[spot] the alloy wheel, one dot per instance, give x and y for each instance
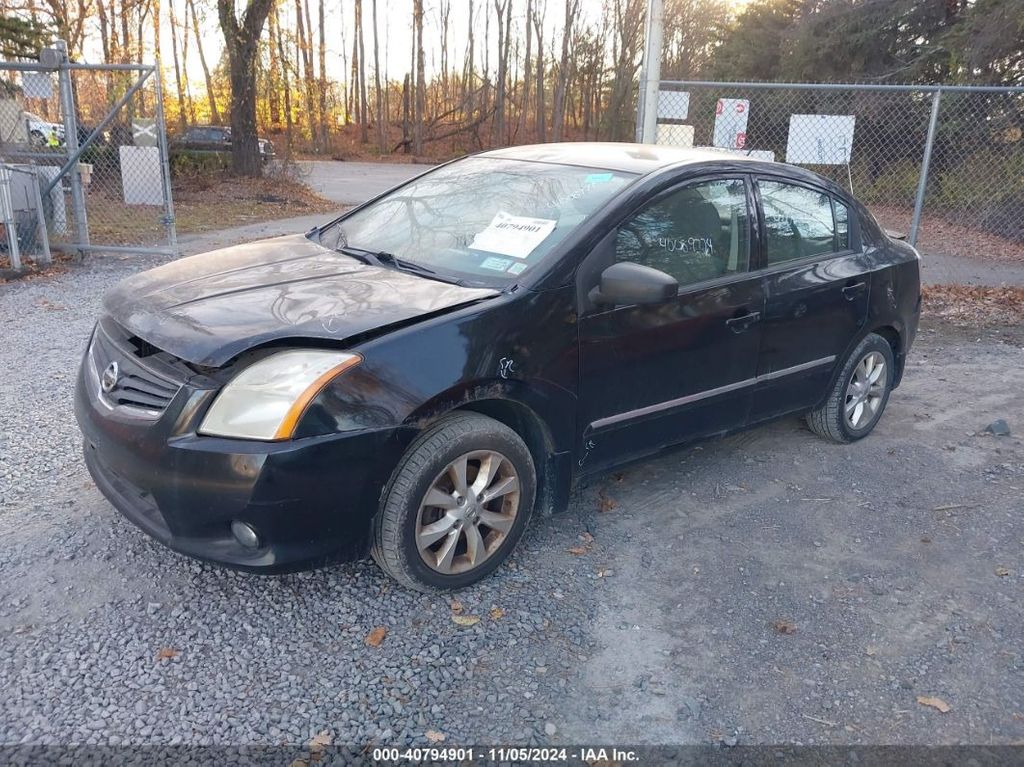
(467, 512)
(865, 391)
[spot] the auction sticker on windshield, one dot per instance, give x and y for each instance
(516, 236)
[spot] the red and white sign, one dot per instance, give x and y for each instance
(731, 123)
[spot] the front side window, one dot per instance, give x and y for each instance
(484, 220)
(696, 233)
(798, 221)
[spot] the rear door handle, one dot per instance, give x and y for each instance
(741, 323)
(850, 292)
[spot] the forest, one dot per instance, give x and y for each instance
(434, 78)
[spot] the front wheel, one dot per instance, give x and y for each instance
(859, 395)
(456, 505)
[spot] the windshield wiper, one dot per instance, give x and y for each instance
(385, 259)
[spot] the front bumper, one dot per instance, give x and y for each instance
(310, 500)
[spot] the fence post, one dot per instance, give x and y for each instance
(7, 214)
(67, 107)
(165, 165)
(650, 79)
(922, 182)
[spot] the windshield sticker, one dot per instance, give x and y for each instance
(516, 236)
(517, 268)
(599, 178)
(497, 264)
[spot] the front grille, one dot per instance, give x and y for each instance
(147, 378)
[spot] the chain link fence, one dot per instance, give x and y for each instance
(944, 164)
(83, 159)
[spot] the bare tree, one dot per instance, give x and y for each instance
(241, 41)
(180, 85)
(538, 27)
(379, 97)
(558, 110)
(210, 94)
(421, 86)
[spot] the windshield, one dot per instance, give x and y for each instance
(482, 220)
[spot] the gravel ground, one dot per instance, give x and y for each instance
(765, 588)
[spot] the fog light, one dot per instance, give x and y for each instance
(245, 535)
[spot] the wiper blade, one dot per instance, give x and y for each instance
(383, 258)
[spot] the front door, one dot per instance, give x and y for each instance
(655, 375)
(816, 295)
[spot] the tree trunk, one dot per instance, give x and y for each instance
(179, 84)
(241, 41)
(322, 83)
(524, 102)
(421, 86)
(274, 75)
(285, 82)
(538, 26)
(364, 120)
(381, 117)
(210, 95)
(558, 110)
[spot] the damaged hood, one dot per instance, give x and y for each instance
(209, 308)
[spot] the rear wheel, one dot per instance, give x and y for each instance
(859, 395)
(456, 505)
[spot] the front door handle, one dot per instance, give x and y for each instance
(741, 323)
(850, 292)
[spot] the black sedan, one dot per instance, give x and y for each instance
(420, 376)
(215, 140)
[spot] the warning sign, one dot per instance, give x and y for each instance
(731, 123)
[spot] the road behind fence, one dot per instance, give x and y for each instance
(944, 164)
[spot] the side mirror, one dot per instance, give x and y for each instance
(627, 283)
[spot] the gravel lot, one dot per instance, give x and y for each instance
(764, 588)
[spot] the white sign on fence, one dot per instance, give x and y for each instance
(673, 105)
(140, 175)
(144, 131)
(731, 123)
(820, 139)
(674, 135)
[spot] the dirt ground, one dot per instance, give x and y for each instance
(770, 587)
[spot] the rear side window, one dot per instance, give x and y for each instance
(842, 215)
(798, 221)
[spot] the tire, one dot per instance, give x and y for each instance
(835, 420)
(431, 465)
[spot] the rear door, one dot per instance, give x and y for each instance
(655, 375)
(816, 293)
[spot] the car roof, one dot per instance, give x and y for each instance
(623, 157)
(644, 159)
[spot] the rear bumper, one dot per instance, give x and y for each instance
(309, 500)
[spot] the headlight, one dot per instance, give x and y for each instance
(266, 400)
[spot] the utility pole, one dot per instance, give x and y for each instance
(650, 75)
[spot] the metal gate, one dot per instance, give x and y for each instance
(84, 163)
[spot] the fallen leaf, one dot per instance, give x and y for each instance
(604, 503)
(299, 763)
(871, 650)
(434, 736)
(586, 537)
(375, 637)
(457, 607)
(933, 702)
(578, 550)
(496, 613)
(1002, 572)
(465, 620)
(320, 740)
(166, 653)
(782, 626)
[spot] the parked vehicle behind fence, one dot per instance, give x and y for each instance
(420, 376)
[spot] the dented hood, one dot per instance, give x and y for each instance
(209, 308)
